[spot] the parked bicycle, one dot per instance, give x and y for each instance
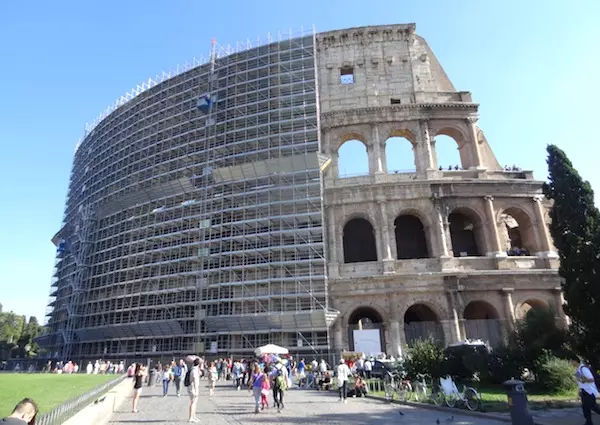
(396, 386)
(451, 395)
(425, 389)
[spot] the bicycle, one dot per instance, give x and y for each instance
(469, 395)
(424, 392)
(401, 387)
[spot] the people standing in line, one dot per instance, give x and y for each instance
(213, 375)
(256, 386)
(138, 381)
(343, 371)
(178, 372)
(24, 413)
(588, 392)
(166, 378)
(193, 389)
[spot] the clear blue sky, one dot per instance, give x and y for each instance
(532, 65)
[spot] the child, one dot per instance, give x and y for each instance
(266, 386)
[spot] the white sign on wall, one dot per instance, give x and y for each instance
(367, 341)
(214, 347)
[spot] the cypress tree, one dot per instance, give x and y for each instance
(575, 229)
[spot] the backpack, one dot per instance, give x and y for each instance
(187, 381)
(281, 380)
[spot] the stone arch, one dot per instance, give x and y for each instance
(359, 241)
(527, 304)
(422, 322)
(517, 231)
(400, 151)
(366, 332)
(411, 237)
(466, 232)
(352, 158)
(482, 321)
(450, 147)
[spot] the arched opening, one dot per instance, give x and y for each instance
(410, 238)
(482, 321)
(527, 305)
(353, 159)
(421, 322)
(517, 232)
(359, 241)
(449, 151)
(466, 234)
(365, 331)
(400, 155)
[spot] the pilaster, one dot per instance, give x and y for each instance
(475, 148)
(492, 227)
(376, 158)
(509, 307)
(333, 264)
(542, 229)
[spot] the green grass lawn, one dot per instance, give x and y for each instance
(48, 390)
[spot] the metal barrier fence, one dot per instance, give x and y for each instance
(67, 410)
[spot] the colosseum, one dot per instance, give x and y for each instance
(207, 212)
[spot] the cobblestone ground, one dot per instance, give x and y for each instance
(229, 406)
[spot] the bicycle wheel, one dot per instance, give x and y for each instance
(450, 399)
(403, 392)
(419, 392)
(437, 396)
(389, 392)
(472, 399)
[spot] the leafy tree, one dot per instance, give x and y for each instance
(575, 229)
(426, 357)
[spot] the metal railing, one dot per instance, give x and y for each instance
(68, 409)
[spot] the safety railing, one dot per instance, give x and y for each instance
(67, 410)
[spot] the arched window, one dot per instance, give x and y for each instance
(399, 155)
(359, 241)
(527, 305)
(410, 238)
(516, 229)
(482, 321)
(353, 159)
(450, 153)
(421, 322)
(465, 233)
(365, 331)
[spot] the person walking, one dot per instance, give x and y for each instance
(343, 371)
(213, 375)
(238, 374)
(166, 378)
(178, 372)
(588, 392)
(193, 389)
(138, 380)
(24, 413)
(255, 385)
(279, 385)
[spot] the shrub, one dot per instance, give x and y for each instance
(424, 357)
(505, 363)
(466, 362)
(555, 375)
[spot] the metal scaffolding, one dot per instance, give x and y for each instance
(195, 215)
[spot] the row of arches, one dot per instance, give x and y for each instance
(413, 240)
(400, 156)
(481, 321)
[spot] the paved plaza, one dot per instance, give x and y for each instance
(229, 406)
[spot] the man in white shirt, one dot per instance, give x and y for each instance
(343, 371)
(587, 390)
(193, 389)
(368, 365)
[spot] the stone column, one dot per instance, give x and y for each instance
(395, 338)
(333, 264)
(338, 344)
(559, 300)
(386, 250)
(509, 308)
(440, 227)
(492, 226)
(376, 160)
(475, 149)
(542, 229)
(453, 331)
(424, 149)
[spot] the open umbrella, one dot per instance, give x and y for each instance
(190, 358)
(270, 349)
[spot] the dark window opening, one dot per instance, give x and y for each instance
(410, 238)
(462, 234)
(359, 241)
(395, 101)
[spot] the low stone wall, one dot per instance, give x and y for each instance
(100, 412)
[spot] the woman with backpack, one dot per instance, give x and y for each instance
(279, 385)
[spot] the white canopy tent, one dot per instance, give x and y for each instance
(270, 349)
